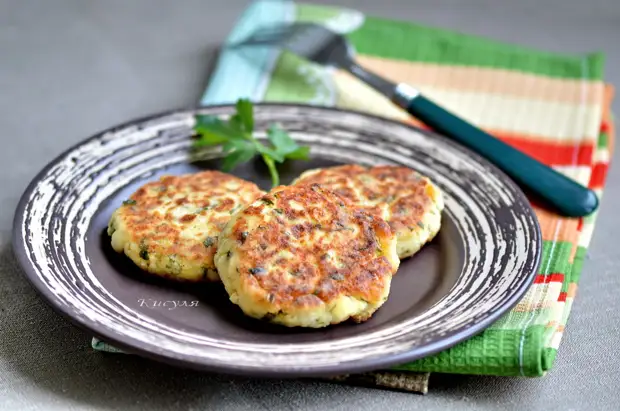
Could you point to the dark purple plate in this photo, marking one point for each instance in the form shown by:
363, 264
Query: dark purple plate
483, 260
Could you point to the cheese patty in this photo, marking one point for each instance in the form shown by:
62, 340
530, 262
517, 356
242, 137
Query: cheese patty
410, 202
302, 256
170, 227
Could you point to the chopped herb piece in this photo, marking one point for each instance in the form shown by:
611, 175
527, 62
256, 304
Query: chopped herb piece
208, 207
256, 270
336, 276
129, 202
341, 227
209, 241
173, 265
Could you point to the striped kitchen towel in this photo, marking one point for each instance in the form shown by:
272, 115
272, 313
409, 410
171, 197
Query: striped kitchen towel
553, 107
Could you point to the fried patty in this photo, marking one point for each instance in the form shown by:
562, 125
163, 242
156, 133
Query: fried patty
170, 227
302, 256
409, 201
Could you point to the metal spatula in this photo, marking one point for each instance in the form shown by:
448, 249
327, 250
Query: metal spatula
322, 46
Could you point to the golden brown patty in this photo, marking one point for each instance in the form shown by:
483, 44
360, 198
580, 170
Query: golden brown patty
301, 256
170, 227
410, 202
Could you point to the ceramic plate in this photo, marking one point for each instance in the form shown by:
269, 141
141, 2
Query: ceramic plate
480, 264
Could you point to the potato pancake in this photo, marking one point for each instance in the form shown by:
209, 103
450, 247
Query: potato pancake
171, 227
409, 201
303, 256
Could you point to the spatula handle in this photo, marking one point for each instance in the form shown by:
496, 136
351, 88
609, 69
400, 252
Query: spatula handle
569, 197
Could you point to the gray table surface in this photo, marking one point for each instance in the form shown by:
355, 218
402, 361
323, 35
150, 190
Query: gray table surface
71, 68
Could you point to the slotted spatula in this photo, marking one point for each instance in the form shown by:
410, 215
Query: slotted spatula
323, 46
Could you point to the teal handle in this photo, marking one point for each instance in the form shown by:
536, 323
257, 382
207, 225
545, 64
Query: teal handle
566, 195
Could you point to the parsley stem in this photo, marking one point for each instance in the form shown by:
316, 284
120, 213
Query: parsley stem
275, 178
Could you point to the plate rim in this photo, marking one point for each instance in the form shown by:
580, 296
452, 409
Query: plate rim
383, 362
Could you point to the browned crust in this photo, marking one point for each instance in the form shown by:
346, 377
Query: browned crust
408, 194
356, 265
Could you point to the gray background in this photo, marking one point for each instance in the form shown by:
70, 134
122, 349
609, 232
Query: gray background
71, 68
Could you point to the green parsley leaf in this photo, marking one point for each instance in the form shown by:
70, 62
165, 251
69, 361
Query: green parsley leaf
229, 146
214, 131
281, 140
302, 153
208, 139
285, 145
270, 152
234, 145
245, 114
235, 158
235, 122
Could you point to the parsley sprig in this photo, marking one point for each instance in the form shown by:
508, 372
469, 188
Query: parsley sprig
238, 142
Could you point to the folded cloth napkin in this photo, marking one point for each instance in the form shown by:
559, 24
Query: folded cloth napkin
553, 107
